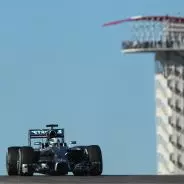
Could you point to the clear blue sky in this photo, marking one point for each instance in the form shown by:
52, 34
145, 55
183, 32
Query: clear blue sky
57, 64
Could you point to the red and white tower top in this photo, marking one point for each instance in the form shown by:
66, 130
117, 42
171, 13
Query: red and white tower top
154, 33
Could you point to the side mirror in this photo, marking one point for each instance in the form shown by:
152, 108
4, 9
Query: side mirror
73, 142
37, 143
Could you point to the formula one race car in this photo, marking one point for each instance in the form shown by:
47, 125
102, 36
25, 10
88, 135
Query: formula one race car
53, 156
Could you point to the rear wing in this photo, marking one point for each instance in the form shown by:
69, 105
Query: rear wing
42, 133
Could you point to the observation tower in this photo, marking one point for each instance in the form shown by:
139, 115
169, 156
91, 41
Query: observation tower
164, 36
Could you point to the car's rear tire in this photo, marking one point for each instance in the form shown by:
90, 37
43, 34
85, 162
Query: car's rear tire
26, 157
11, 160
95, 159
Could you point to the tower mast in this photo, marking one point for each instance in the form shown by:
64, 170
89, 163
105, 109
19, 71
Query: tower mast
164, 36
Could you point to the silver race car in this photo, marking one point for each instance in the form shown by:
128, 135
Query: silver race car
53, 156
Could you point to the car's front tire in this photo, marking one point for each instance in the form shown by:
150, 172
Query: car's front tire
11, 160
95, 159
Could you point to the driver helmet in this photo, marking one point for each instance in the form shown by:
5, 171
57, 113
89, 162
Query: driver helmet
54, 142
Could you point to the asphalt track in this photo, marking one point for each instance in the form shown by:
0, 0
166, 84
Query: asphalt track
133, 179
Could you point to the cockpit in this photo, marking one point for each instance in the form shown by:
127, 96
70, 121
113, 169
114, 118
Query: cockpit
53, 140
